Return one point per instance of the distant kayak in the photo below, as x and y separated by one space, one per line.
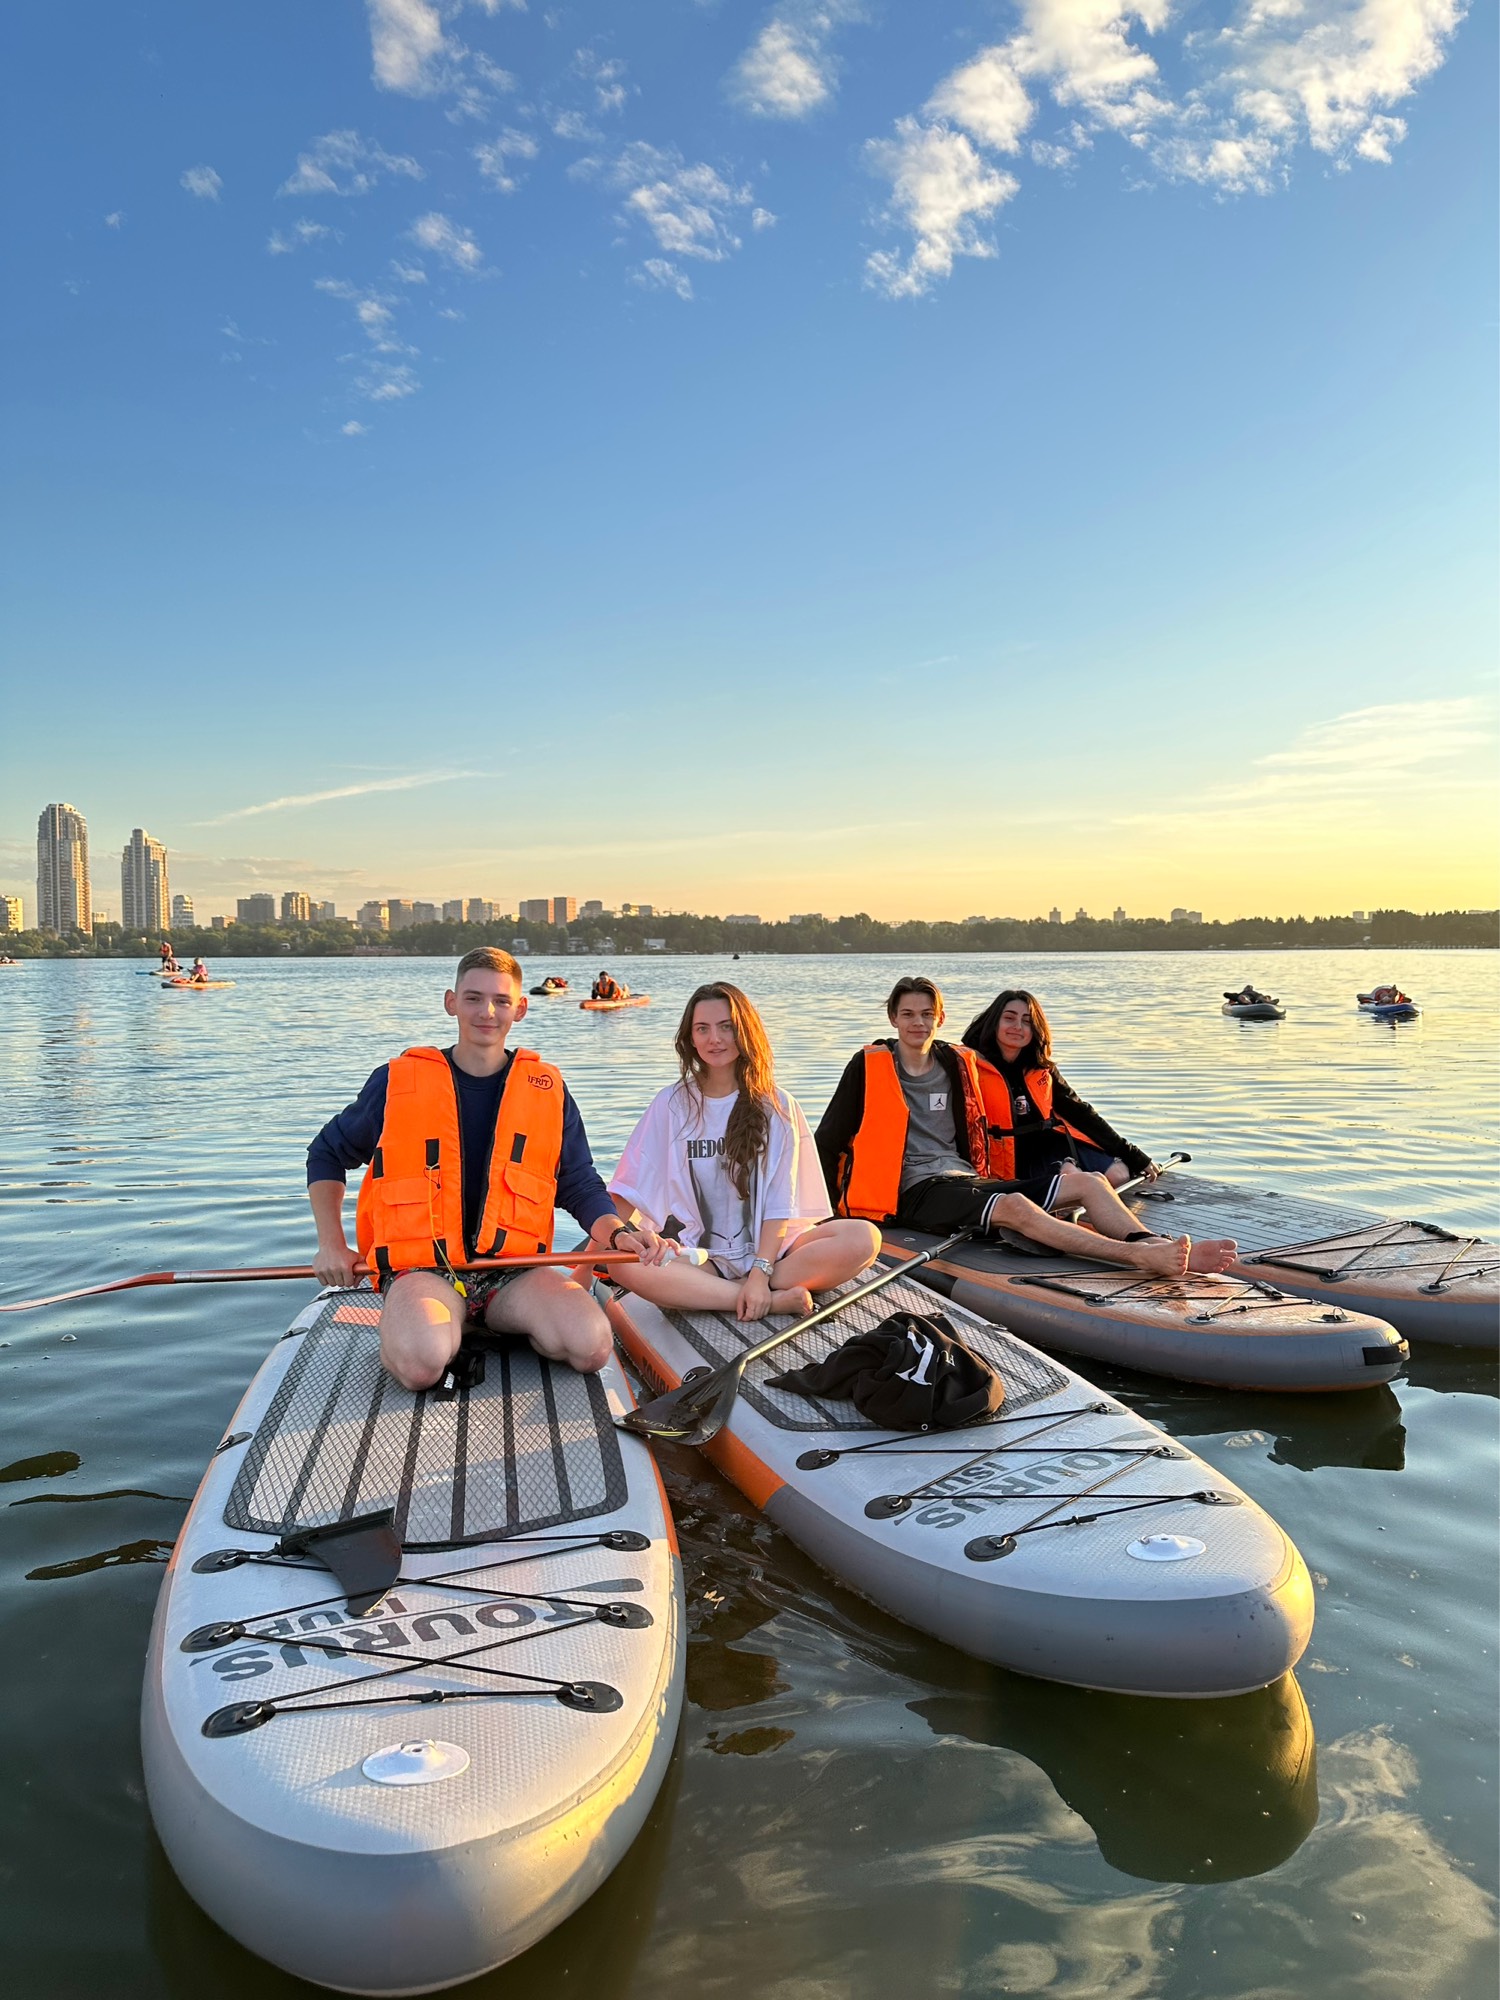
1254 1010
613 1006
550 989
193 985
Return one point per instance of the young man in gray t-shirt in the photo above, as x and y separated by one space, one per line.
937 1186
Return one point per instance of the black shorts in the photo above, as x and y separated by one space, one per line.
963 1201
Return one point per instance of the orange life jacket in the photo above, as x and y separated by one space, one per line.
870 1176
411 1202
1000 1115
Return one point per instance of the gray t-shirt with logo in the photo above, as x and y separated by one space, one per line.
931 1134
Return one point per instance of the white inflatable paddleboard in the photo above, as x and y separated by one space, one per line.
1065 1537
1234 1332
390 1783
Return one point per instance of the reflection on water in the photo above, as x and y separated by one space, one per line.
856 1812
1175 1791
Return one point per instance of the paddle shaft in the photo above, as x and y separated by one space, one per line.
697 1411
1141 1180
542 1260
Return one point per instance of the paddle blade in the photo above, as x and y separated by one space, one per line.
692 1413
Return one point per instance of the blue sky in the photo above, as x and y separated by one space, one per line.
929 459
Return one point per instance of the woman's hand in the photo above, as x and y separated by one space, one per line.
647 1245
334 1264
754 1300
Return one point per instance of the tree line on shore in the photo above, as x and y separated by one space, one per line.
625 937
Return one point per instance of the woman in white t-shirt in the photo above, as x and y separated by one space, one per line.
728 1158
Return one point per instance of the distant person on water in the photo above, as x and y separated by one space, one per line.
469 1150
168 957
1039 1119
608 988
199 973
723 1161
906 1139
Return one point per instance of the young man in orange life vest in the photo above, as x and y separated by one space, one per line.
469 1148
906 1139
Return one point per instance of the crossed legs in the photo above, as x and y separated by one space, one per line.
819 1259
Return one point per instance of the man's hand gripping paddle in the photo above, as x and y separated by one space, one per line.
698 1409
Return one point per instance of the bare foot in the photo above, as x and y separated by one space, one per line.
1214 1253
796 1301
1163 1256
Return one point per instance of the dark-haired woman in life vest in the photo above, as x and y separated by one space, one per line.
1036 1119
469 1149
905 1139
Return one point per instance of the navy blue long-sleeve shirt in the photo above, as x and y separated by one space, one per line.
350 1139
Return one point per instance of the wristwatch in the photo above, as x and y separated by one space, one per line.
762 1264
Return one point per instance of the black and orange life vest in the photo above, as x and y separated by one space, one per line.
1000 1115
870 1181
411 1204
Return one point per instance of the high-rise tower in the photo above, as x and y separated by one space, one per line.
145 893
64 900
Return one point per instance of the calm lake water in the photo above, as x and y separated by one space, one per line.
855 1813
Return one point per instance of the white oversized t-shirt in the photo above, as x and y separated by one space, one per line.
673 1167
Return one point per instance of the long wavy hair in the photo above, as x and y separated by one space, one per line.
749 1129
982 1038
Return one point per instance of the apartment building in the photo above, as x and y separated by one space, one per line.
145 893
64 896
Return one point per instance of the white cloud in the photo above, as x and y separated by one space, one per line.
407 274
663 274
987 98
201 181
412 54
495 155
762 218
688 209
941 188
345 164
445 239
1282 74
282 242
386 381
410 782
114 219
354 429
573 126
788 71
606 75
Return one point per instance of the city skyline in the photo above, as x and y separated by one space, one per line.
145 884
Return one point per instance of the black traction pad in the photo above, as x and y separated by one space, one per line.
1029 1377
533 1446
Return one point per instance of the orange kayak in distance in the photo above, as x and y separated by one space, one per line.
613 1006
193 985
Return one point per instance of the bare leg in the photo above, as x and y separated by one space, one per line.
421 1324
1161 1256
558 1316
824 1257
1110 1217
679 1285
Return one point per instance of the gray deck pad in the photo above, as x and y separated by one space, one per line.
1028 1376
532 1446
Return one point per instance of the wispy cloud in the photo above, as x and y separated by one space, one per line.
1282 74
942 188
409 782
689 209
447 239
661 274
413 53
202 182
605 75
115 219
354 429
1379 758
373 310
495 156
343 163
297 236
789 71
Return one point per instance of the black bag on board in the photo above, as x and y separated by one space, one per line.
910 1373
